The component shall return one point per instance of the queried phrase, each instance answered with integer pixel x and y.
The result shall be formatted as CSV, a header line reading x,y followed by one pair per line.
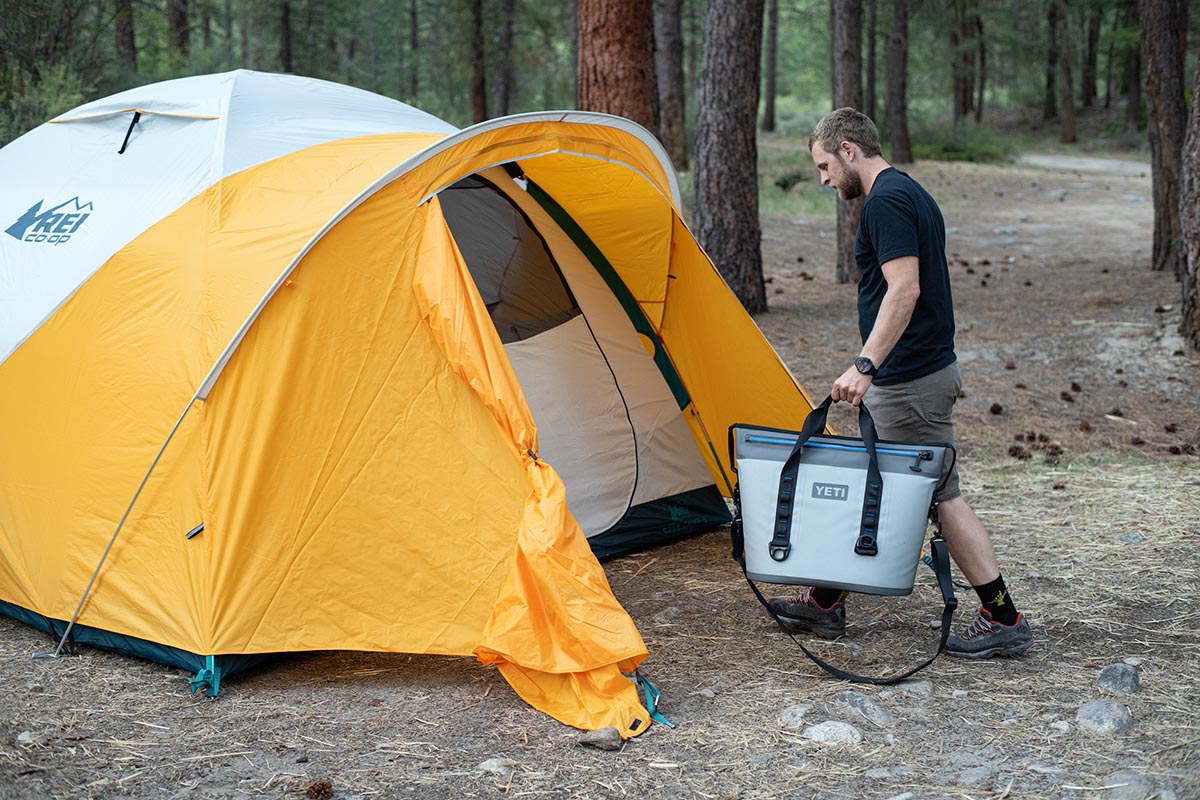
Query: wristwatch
x,y
865,365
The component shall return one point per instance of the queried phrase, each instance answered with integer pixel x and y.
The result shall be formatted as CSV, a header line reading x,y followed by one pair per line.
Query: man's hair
x,y
846,125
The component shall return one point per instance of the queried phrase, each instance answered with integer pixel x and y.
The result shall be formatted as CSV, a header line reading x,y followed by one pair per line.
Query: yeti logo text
x,y
831,491
53,226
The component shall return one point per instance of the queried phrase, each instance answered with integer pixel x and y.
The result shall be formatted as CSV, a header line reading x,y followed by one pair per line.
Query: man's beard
x,y
851,186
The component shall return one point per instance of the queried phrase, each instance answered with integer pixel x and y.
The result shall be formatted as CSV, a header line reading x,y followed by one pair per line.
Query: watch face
x,y
865,365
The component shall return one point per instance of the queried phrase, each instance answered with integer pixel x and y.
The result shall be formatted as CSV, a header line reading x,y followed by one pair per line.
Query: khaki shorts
x,y
919,411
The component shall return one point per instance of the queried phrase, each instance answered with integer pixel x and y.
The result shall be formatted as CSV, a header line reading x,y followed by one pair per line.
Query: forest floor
x,y
1078,434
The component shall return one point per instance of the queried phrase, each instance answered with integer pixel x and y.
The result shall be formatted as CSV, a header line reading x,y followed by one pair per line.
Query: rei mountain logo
x,y
54,225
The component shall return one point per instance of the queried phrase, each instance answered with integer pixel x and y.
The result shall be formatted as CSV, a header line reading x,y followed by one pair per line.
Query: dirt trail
x,y
1077,435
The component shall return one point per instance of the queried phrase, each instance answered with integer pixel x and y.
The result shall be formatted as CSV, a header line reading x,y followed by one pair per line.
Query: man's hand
x,y
851,386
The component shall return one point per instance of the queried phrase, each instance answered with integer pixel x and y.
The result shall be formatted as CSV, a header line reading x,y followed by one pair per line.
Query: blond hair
x,y
846,125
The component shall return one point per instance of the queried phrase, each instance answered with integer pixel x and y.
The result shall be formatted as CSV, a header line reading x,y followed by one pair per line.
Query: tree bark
x,y
247,43
177,25
869,104
1160,21
962,37
1189,221
1087,83
771,65
846,30
668,53
123,38
478,63
1050,104
616,59
982,68
726,215
414,54
502,73
1066,133
285,37
897,84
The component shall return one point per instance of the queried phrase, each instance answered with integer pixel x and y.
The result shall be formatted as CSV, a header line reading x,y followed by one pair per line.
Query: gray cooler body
x,y
828,509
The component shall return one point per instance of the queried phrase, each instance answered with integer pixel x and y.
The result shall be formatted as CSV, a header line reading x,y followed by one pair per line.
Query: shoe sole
x,y
804,626
994,652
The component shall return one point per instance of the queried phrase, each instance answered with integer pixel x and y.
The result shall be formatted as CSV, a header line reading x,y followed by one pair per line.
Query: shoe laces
x,y
982,626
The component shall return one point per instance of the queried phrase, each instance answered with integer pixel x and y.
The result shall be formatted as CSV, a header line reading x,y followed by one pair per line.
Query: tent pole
x,y
79,608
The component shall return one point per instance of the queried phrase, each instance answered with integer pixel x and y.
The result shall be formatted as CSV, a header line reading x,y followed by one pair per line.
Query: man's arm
x,y
903,278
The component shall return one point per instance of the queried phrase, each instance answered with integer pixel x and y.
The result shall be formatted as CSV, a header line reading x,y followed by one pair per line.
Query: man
x,y
907,368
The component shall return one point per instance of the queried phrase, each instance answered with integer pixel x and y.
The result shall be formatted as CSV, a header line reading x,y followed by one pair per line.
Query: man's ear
x,y
847,148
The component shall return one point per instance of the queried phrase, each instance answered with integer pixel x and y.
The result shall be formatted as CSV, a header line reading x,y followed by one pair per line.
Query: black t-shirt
x,y
899,218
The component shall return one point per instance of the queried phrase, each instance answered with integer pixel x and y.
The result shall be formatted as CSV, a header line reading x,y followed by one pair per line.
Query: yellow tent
x,y
289,366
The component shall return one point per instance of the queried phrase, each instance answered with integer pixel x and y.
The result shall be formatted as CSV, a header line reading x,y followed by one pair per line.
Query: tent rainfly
x,y
288,366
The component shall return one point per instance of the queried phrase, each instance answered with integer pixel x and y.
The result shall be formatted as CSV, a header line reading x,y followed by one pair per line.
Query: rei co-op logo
x,y
54,225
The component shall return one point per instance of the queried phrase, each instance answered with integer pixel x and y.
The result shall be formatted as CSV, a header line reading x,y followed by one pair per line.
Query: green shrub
x,y
29,103
965,141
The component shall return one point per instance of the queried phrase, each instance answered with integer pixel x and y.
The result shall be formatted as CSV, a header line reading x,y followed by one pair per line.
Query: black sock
x,y
995,599
827,598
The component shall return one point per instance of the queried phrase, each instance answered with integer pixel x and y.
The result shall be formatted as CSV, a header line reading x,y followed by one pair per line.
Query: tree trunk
x,y
1050,104
227,24
668,53
695,34
123,38
846,30
247,43
1108,66
726,216
502,74
869,104
478,63
897,84
982,70
616,59
1087,84
285,37
177,25
1131,77
772,61
1160,21
962,37
1189,221
1066,96
414,54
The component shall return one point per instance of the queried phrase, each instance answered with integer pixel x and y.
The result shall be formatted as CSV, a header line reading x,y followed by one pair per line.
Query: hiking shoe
x,y
803,615
985,638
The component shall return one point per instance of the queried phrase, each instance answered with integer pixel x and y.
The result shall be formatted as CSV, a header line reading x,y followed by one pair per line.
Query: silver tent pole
x,y
61,642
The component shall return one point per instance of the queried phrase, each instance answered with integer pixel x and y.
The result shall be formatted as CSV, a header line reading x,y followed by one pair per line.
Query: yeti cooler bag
x,y
836,511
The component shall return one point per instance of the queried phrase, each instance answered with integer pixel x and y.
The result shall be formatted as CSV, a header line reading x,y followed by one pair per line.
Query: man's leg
x,y
969,543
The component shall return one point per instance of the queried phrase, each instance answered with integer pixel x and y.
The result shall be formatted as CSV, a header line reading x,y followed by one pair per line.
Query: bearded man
x,y
907,370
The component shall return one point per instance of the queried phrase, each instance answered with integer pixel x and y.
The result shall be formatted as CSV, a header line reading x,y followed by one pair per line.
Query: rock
x,y
922,690
1104,718
502,767
26,737
975,776
604,739
833,732
1060,726
707,694
905,796
1127,785
667,615
793,716
1136,661
858,703
887,773
959,693
1119,678
1132,538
